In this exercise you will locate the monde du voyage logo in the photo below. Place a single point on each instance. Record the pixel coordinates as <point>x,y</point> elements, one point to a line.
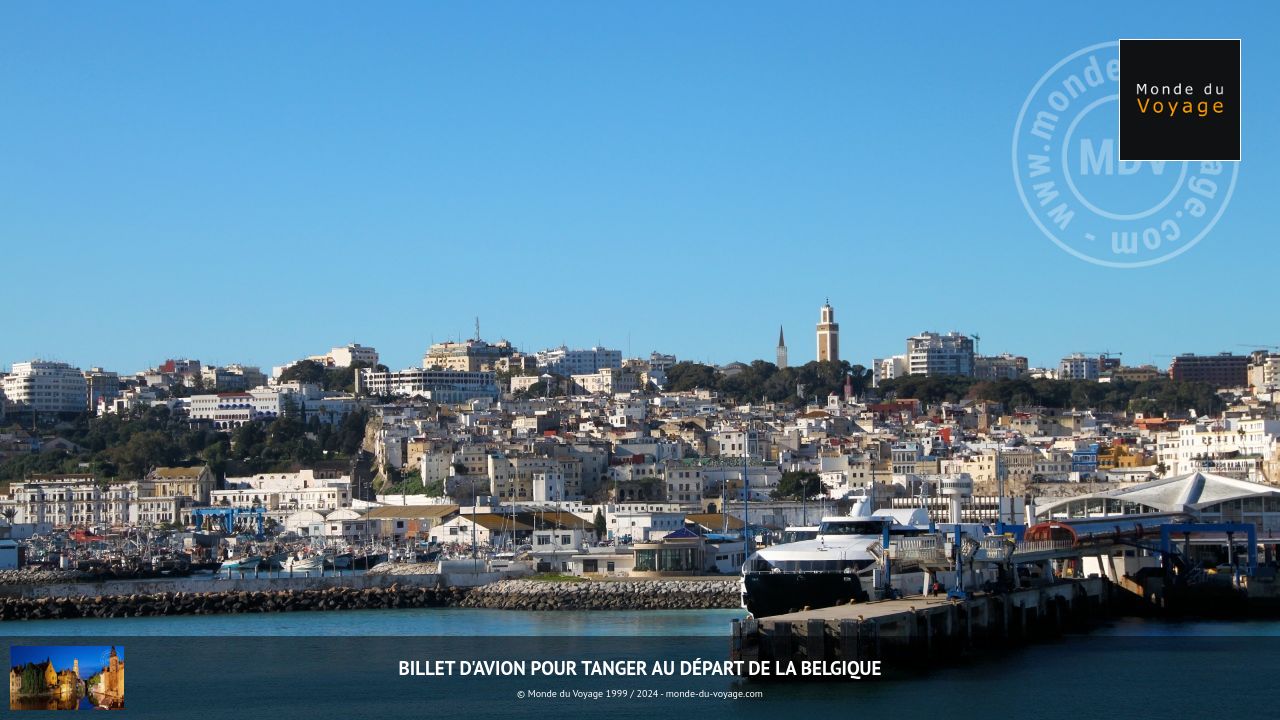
<point>1110,169</point>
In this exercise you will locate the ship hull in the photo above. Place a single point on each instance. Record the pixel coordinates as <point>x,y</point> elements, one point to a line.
<point>776,593</point>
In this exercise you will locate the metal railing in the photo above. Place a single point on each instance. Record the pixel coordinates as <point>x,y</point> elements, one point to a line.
<point>1036,546</point>
<point>926,550</point>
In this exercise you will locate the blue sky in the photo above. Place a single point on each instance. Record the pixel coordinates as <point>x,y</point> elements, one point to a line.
<point>92,657</point>
<point>247,182</point>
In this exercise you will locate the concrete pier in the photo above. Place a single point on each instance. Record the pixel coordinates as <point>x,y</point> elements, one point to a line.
<point>922,628</point>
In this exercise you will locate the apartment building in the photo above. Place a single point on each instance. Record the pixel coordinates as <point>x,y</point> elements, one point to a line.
<point>46,386</point>
<point>564,361</point>
<point>467,356</point>
<point>444,386</point>
<point>930,353</point>
<point>1221,370</point>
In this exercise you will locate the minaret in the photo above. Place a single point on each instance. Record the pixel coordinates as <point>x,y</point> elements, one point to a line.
<point>782,350</point>
<point>828,335</point>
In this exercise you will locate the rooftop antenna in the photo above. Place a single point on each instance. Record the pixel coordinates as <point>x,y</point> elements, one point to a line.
<point>477,327</point>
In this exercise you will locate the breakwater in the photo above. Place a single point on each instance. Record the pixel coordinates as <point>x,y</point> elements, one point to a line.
<point>33,576</point>
<point>377,592</point>
<point>690,594</point>
<point>210,603</point>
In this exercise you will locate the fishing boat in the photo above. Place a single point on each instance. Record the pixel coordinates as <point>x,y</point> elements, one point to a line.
<point>276,560</point>
<point>246,564</point>
<point>366,560</point>
<point>302,563</point>
<point>171,564</point>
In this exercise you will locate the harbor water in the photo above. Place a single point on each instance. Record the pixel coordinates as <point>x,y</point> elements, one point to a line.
<point>319,665</point>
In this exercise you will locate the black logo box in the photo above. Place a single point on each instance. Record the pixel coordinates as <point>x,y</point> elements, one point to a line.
<point>1185,67</point>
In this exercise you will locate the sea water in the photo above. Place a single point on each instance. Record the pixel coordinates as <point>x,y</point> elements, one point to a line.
<point>320,665</point>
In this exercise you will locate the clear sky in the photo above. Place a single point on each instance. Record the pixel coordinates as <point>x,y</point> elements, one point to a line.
<point>92,657</point>
<point>254,182</point>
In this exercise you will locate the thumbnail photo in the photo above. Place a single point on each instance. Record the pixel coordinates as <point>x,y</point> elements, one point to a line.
<point>66,677</point>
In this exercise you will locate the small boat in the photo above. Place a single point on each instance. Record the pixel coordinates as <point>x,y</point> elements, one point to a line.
<point>341,561</point>
<point>306,563</point>
<point>365,561</point>
<point>175,564</point>
<point>275,560</point>
<point>248,563</point>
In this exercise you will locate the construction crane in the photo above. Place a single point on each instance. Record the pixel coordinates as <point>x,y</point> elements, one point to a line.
<point>977,340</point>
<point>1100,353</point>
<point>1259,346</point>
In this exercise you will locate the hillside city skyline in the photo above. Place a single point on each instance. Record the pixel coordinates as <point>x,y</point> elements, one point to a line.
<point>802,348</point>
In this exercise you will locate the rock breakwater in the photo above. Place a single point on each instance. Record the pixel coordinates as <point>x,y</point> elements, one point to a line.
<point>691,594</point>
<point>528,595</point>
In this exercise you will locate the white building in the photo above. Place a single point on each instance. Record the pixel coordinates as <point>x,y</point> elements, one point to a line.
<point>1264,372</point>
<point>564,361</point>
<point>302,490</point>
<point>348,355</point>
<point>230,410</point>
<point>684,483</point>
<point>889,368</point>
<point>81,500</point>
<point>932,354</point>
<point>639,524</point>
<point>548,486</point>
<point>1208,497</point>
<point>661,363</point>
<point>605,381</point>
<point>346,525</point>
<point>1077,366</point>
<point>1227,446</point>
<point>444,386</point>
<point>45,386</point>
<point>337,357</point>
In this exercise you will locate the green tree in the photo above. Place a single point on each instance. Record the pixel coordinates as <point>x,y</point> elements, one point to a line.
<point>799,485</point>
<point>600,526</point>
<point>686,376</point>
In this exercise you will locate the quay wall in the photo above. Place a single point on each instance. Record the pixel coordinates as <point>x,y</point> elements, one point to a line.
<point>916,631</point>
